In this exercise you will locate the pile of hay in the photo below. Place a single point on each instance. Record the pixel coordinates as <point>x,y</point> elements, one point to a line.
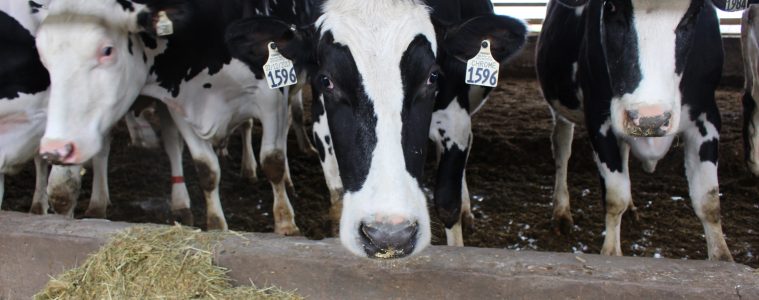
<point>154,263</point>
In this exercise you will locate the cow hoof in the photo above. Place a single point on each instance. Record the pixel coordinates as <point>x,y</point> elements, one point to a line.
<point>216,223</point>
<point>249,174</point>
<point>562,225</point>
<point>722,255</point>
<point>467,222</point>
<point>287,230</point>
<point>95,213</point>
<point>37,209</point>
<point>183,216</point>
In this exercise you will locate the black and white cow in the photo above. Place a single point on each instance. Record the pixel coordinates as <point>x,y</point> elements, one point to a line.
<point>376,70</point>
<point>637,73</point>
<point>209,94</point>
<point>750,43</point>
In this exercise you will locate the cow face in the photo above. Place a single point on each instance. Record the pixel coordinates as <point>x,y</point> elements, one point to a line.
<point>375,77</point>
<point>96,68</point>
<point>646,46</point>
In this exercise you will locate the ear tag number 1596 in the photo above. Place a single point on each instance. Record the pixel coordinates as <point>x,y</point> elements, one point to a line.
<point>483,68</point>
<point>279,71</point>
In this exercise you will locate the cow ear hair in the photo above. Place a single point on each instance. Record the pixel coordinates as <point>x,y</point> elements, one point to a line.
<point>506,35</point>
<point>248,40</point>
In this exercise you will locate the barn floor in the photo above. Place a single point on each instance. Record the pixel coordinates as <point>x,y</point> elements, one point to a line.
<point>510,175</point>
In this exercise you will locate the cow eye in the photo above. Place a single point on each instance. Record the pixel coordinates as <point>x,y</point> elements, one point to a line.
<point>326,82</point>
<point>434,76</point>
<point>107,51</point>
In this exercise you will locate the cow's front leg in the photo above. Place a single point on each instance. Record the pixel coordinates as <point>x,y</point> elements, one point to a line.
<point>611,157</point>
<point>750,132</point>
<point>274,165</point>
<point>561,142</point>
<point>100,198</point>
<point>701,155</point>
<point>63,188</point>
<point>140,131</point>
<point>249,164</point>
<point>173,144</point>
<point>209,172</point>
<point>39,200</point>
<point>298,123</point>
<point>451,131</point>
<point>325,149</point>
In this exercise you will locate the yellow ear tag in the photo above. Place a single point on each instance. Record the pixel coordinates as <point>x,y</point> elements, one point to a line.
<point>278,70</point>
<point>164,26</point>
<point>483,69</point>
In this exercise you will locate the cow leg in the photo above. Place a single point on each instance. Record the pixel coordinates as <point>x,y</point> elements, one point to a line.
<point>611,157</point>
<point>63,189</point>
<point>274,166</point>
<point>750,132</point>
<point>561,142</point>
<point>325,149</point>
<point>249,164</point>
<point>451,131</point>
<point>701,154</point>
<point>174,147</point>
<point>100,198</point>
<point>298,122</point>
<point>209,173</point>
<point>140,131</point>
<point>2,188</point>
<point>39,201</point>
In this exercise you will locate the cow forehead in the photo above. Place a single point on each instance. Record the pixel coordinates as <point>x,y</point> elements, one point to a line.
<point>378,33</point>
<point>116,13</point>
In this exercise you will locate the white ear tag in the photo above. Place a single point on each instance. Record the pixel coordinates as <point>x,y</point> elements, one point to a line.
<point>278,70</point>
<point>164,26</point>
<point>483,68</point>
<point>735,5</point>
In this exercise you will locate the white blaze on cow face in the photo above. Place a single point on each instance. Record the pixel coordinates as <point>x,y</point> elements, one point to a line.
<point>643,59</point>
<point>96,73</point>
<point>387,205</point>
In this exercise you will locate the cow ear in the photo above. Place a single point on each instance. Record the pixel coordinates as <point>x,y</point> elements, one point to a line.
<point>733,5</point>
<point>507,36</point>
<point>248,40</point>
<point>181,14</point>
<point>573,3</point>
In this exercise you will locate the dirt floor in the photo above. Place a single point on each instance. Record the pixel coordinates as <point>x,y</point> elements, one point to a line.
<point>510,175</point>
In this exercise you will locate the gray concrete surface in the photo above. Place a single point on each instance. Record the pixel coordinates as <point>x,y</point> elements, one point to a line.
<point>33,248</point>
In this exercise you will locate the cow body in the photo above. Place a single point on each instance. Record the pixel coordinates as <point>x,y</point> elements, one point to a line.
<point>208,93</point>
<point>375,72</point>
<point>637,73</point>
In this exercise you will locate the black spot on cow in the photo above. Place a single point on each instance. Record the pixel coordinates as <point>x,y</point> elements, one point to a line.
<point>448,185</point>
<point>148,40</point>
<point>709,151</point>
<point>126,5</point>
<point>701,128</point>
<point>350,112</point>
<point>207,86</point>
<point>130,44</point>
<point>319,146</point>
<point>441,131</point>
<point>417,66</point>
<point>35,7</point>
<point>21,70</point>
<point>144,57</point>
<point>327,140</point>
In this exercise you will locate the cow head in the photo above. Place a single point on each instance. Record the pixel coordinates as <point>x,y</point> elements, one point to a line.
<point>97,68</point>
<point>646,45</point>
<point>376,75</point>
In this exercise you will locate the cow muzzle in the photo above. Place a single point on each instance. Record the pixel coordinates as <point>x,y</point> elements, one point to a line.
<point>58,152</point>
<point>648,121</point>
<point>389,238</point>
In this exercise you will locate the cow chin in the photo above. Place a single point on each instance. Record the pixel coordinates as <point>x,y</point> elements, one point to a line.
<point>377,229</point>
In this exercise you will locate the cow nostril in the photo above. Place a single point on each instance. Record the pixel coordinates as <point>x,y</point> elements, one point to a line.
<point>387,240</point>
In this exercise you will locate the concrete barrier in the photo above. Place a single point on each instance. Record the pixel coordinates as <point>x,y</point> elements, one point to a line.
<point>32,248</point>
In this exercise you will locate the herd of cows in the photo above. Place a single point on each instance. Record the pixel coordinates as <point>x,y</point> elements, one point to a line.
<point>387,76</point>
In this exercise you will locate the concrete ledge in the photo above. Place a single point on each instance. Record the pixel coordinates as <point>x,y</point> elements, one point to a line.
<point>32,248</point>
